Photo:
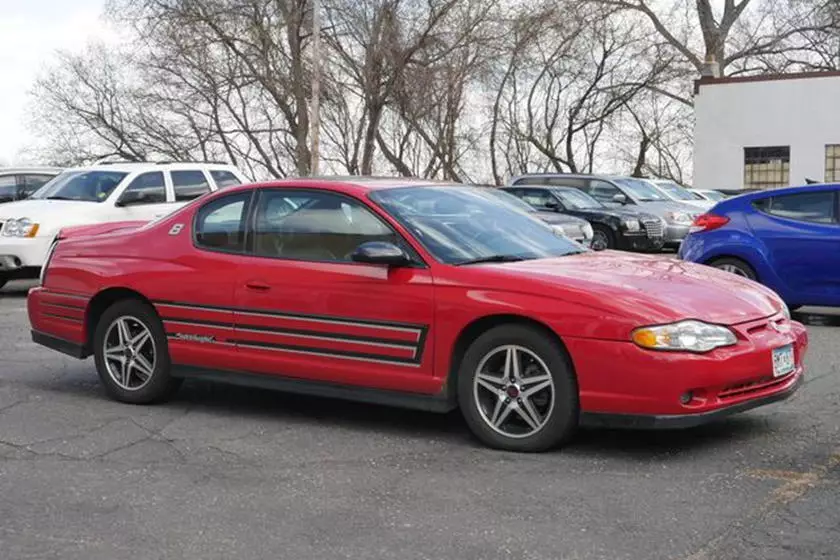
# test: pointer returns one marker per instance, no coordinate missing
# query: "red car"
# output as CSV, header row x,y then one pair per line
x,y
413,294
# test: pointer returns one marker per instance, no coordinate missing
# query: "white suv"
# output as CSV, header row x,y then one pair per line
x,y
106,192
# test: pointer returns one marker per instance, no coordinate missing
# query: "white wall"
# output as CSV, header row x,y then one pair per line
x,y
801,113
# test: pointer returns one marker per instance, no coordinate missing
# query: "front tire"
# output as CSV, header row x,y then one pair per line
x,y
517,390
602,238
132,355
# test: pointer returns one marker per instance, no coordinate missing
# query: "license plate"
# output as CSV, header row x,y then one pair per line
x,y
783,360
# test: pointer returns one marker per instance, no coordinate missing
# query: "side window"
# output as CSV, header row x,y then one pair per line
x,y
314,226
538,198
817,207
147,188
603,191
224,178
220,224
8,188
189,184
32,183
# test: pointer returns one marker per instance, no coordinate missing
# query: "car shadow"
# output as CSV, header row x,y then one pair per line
x,y
16,289
818,316
299,411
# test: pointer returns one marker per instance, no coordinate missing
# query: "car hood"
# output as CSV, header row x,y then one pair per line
x,y
660,208
554,218
622,213
649,289
54,213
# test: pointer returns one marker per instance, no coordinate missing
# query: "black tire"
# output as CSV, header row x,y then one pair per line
x,y
562,419
728,263
607,233
160,385
3,282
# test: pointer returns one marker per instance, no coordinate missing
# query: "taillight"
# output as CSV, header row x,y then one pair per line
x,y
708,222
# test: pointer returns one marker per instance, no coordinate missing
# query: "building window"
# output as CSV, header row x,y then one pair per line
x,y
832,163
767,168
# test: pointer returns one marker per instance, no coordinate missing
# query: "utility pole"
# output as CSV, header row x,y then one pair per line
x,y
315,104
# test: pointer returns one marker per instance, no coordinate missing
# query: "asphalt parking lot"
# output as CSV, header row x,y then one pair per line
x,y
236,473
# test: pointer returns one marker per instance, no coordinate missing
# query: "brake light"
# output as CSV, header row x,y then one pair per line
x,y
708,222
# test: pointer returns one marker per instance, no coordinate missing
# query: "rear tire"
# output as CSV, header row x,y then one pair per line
x,y
132,355
735,266
531,408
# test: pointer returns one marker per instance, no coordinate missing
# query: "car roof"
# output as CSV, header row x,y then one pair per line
x,y
356,184
131,167
784,190
32,169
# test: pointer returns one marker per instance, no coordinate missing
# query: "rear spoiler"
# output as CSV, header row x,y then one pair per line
x,y
98,229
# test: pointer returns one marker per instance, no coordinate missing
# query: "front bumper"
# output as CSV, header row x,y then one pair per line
x,y
640,241
647,388
674,234
21,253
683,421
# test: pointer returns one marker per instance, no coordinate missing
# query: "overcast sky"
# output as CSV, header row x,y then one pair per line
x,y
30,32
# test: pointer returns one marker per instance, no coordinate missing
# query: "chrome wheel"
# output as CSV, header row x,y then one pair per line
x,y
600,241
734,269
514,391
129,353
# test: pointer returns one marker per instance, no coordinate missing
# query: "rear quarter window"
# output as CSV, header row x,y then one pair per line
x,y
815,207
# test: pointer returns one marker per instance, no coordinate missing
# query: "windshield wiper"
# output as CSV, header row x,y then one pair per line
x,y
492,259
56,197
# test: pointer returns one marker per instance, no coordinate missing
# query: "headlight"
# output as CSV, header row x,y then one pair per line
x,y
685,336
558,229
588,233
631,225
679,218
23,227
785,310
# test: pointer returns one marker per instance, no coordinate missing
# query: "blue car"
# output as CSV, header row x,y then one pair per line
x,y
788,239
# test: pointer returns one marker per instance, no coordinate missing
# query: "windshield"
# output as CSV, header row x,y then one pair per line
x,y
462,224
641,190
87,186
677,192
508,198
573,199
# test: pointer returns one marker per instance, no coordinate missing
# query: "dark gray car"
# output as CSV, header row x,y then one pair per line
x,y
574,228
617,191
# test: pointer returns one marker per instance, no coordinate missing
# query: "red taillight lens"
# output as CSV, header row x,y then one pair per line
x,y
708,222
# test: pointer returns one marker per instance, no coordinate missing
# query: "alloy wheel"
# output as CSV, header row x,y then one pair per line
x,y
734,269
514,391
129,353
600,241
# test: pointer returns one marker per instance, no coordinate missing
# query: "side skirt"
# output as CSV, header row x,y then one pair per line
x,y
440,403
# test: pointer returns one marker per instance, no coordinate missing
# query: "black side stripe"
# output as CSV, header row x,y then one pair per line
x,y
290,315
63,306
327,352
301,332
62,317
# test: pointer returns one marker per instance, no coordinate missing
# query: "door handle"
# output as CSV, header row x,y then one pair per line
x,y
258,286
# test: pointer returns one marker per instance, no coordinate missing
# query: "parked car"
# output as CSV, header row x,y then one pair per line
x,y
679,193
714,196
624,192
613,228
107,192
18,183
788,239
406,293
577,229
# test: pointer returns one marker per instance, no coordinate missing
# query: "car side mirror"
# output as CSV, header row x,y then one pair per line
x,y
380,252
620,199
130,198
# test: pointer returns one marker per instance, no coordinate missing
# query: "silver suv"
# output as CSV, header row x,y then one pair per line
x,y
619,191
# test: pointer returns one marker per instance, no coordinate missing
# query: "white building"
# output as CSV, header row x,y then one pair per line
x,y
767,131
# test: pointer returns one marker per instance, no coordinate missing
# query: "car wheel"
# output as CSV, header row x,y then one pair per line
x,y
131,354
602,238
517,390
735,266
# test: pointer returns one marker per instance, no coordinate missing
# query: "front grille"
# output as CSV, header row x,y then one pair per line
x,y
653,228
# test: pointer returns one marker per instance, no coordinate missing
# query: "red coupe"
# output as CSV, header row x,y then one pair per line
x,y
413,294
